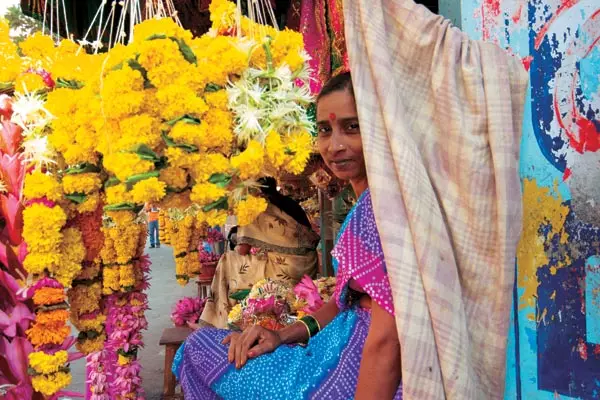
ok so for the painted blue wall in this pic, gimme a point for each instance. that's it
(554, 342)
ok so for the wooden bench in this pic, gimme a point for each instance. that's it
(172, 338)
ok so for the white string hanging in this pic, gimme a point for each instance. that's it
(259, 11)
(55, 6)
(121, 12)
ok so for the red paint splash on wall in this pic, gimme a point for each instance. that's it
(589, 137)
(567, 174)
(527, 62)
(582, 133)
(566, 4)
(490, 10)
(517, 15)
(597, 350)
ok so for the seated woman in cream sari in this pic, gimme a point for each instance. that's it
(287, 252)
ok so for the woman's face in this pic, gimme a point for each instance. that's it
(339, 139)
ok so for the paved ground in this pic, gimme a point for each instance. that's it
(162, 295)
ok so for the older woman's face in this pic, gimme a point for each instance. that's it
(339, 139)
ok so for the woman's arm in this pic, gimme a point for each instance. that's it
(257, 340)
(297, 333)
(380, 368)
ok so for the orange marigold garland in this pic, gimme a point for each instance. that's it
(86, 294)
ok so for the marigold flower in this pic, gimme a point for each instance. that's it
(49, 296)
(206, 193)
(44, 363)
(40, 334)
(39, 184)
(148, 190)
(247, 210)
(81, 183)
(50, 384)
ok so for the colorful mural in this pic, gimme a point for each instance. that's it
(554, 349)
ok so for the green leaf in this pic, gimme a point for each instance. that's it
(188, 119)
(185, 50)
(135, 65)
(174, 190)
(267, 47)
(131, 353)
(145, 153)
(120, 207)
(221, 180)
(111, 182)
(117, 67)
(212, 87)
(76, 197)
(91, 334)
(133, 179)
(190, 148)
(289, 152)
(69, 84)
(82, 168)
(156, 36)
(240, 295)
(220, 204)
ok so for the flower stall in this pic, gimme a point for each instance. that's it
(190, 123)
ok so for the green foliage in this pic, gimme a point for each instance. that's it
(21, 25)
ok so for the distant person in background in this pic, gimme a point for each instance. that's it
(287, 251)
(152, 213)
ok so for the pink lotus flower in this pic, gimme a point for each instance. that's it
(11, 136)
(14, 371)
(18, 316)
(12, 173)
(269, 305)
(187, 310)
(8, 290)
(5, 106)
(12, 211)
(307, 290)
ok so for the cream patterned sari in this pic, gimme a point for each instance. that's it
(288, 252)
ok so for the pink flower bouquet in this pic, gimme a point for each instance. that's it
(187, 310)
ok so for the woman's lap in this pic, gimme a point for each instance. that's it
(325, 369)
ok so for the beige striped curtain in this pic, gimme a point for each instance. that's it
(441, 122)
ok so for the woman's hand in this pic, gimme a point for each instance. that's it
(252, 343)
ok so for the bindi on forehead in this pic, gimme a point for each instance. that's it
(332, 117)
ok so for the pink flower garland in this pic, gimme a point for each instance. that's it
(97, 379)
(125, 322)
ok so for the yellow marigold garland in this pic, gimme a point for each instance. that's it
(44, 363)
(39, 184)
(50, 384)
(42, 231)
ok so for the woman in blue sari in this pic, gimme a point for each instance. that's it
(352, 348)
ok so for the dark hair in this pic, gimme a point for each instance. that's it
(268, 185)
(231, 239)
(338, 83)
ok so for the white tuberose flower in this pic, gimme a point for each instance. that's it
(38, 152)
(29, 112)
